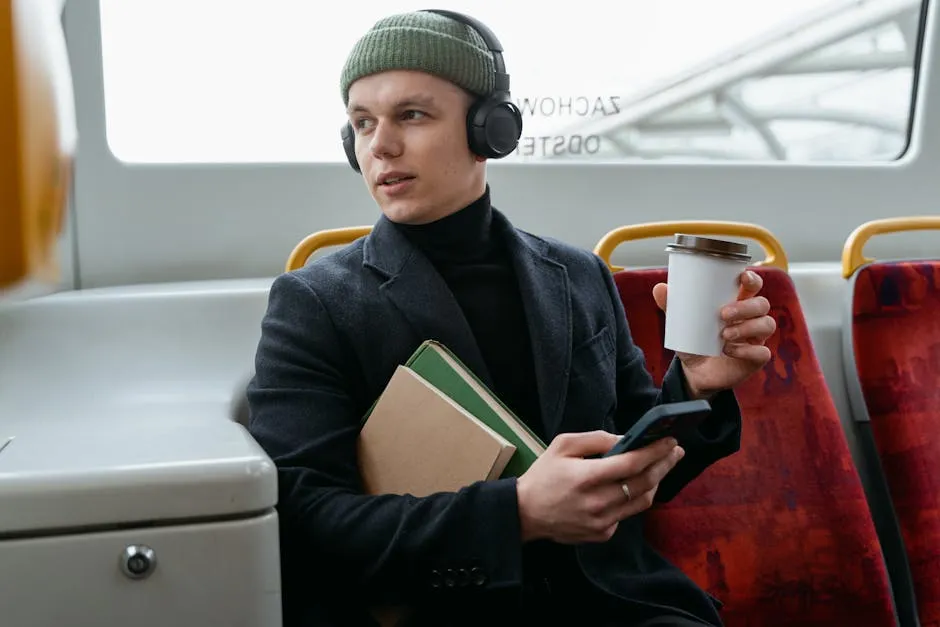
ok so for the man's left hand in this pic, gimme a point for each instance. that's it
(748, 326)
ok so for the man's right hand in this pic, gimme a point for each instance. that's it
(569, 499)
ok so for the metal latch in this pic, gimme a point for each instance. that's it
(138, 561)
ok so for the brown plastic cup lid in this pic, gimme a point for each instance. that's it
(709, 246)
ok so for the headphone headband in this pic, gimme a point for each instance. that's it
(489, 38)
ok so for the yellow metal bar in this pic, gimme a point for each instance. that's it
(322, 239)
(852, 257)
(776, 256)
(37, 139)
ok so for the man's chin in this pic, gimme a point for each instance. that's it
(404, 212)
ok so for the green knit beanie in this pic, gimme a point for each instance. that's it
(422, 41)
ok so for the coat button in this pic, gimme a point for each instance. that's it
(477, 576)
(463, 577)
(450, 578)
(435, 580)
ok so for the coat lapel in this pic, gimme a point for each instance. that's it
(546, 297)
(420, 293)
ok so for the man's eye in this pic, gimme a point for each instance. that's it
(413, 114)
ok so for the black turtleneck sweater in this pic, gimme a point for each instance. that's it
(471, 256)
(474, 262)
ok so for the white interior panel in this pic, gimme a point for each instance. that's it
(222, 573)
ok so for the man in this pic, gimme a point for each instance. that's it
(538, 320)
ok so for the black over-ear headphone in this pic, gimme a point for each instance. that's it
(494, 122)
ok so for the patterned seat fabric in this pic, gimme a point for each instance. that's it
(779, 532)
(896, 341)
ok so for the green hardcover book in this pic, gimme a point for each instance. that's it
(433, 362)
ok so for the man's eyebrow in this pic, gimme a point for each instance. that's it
(416, 101)
(423, 101)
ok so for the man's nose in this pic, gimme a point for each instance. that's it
(386, 140)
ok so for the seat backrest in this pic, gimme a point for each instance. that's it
(892, 361)
(780, 532)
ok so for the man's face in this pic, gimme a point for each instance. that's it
(411, 143)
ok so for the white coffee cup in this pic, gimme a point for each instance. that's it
(703, 278)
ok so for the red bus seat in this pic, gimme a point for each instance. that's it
(892, 360)
(780, 532)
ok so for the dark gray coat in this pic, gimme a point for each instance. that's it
(333, 334)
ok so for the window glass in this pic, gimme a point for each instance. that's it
(257, 80)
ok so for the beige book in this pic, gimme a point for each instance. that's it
(417, 441)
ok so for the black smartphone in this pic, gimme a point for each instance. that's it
(662, 421)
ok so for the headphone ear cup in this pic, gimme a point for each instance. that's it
(349, 145)
(494, 126)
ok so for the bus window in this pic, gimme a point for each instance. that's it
(257, 80)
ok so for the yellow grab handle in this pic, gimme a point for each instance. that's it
(315, 241)
(776, 256)
(852, 257)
